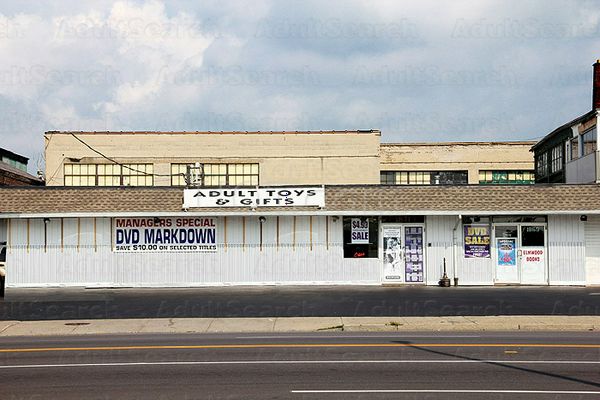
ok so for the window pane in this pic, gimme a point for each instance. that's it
(532, 236)
(68, 169)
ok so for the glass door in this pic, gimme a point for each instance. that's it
(506, 239)
(403, 254)
(532, 255)
(393, 254)
(413, 254)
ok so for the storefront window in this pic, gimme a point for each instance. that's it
(361, 237)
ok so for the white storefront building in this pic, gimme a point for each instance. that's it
(350, 235)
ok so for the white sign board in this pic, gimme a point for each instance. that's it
(257, 197)
(134, 235)
(359, 232)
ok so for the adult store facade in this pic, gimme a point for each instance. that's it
(360, 235)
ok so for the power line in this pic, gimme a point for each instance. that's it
(118, 163)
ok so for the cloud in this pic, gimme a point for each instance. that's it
(461, 70)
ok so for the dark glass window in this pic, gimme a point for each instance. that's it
(388, 178)
(449, 178)
(520, 218)
(509, 231)
(532, 236)
(361, 250)
(403, 219)
(589, 141)
(541, 164)
(476, 219)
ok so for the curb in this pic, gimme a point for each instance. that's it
(299, 324)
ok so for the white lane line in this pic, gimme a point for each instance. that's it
(250, 362)
(446, 391)
(357, 336)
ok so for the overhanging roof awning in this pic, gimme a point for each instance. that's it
(339, 200)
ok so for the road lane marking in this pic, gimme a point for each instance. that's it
(444, 391)
(356, 336)
(291, 362)
(297, 345)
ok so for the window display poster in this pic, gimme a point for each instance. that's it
(413, 244)
(359, 230)
(477, 241)
(507, 252)
(392, 255)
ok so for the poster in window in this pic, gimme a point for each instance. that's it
(393, 263)
(477, 241)
(507, 254)
(413, 245)
(359, 231)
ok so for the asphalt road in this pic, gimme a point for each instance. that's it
(307, 366)
(299, 301)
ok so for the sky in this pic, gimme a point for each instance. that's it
(426, 70)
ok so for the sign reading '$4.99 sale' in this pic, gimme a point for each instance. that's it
(359, 231)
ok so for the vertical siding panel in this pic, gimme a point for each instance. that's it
(592, 250)
(566, 250)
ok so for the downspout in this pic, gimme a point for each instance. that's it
(455, 251)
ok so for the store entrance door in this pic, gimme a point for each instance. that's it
(403, 258)
(520, 254)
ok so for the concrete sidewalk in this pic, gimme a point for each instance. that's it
(304, 324)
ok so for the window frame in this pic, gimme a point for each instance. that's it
(138, 172)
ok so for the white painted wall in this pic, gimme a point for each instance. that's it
(438, 242)
(592, 250)
(566, 250)
(88, 260)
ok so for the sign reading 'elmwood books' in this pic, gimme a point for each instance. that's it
(257, 197)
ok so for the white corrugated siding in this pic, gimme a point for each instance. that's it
(438, 245)
(472, 271)
(592, 250)
(566, 250)
(87, 259)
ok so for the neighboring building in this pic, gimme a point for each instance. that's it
(276, 158)
(569, 154)
(13, 170)
(457, 163)
(226, 158)
(344, 234)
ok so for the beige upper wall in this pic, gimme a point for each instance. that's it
(464, 156)
(284, 158)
